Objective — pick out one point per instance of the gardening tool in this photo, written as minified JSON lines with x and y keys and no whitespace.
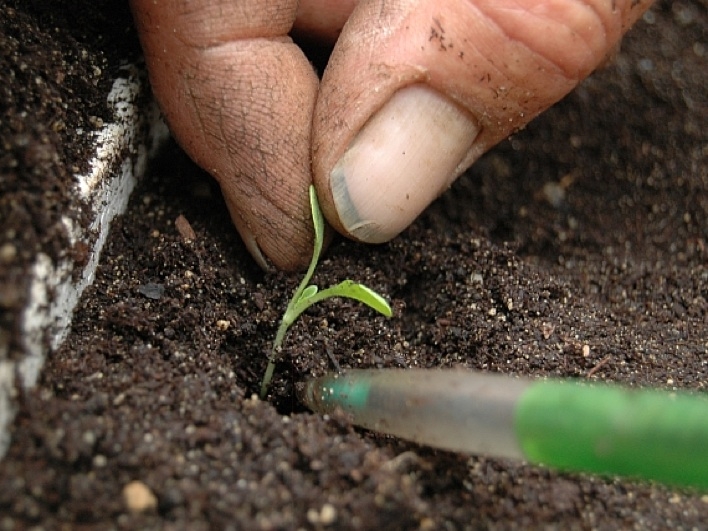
{"x":569,"y":425}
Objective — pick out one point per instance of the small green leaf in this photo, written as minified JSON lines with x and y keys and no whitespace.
{"x":308,"y":292}
{"x":319,"y":224}
{"x":361,"y":293}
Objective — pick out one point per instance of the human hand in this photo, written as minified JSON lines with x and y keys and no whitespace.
{"x":414,"y":93}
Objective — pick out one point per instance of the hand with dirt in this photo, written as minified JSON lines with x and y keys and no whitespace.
{"x":414,"y":92}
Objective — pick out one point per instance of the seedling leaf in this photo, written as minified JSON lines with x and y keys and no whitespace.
{"x":308,"y":293}
{"x":319,"y":224}
{"x":359,"y":292}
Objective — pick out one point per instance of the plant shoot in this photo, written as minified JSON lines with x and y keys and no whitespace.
{"x":308,"y":294}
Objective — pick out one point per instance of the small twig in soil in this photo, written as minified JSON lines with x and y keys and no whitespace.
{"x":599,"y":366}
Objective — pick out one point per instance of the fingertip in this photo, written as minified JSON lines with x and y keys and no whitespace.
{"x":275,"y":239}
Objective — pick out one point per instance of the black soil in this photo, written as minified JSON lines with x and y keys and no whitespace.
{"x":57,"y":65}
{"x":578,"y":248}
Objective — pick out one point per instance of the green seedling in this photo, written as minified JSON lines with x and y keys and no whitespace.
{"x":308,"y":294}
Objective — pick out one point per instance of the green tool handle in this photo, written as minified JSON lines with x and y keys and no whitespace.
{"x":604,"y":429}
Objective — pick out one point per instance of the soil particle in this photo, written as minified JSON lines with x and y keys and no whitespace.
{"x":577,"y":248}
{"x":138,"y":497}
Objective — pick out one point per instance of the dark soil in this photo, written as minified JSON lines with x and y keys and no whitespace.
{"x":578,"y":248}
{"x":57,"y":64}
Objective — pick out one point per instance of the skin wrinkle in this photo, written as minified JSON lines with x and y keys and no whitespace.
{"x":269,"y":180}
{"x":497,"y":14}
{"x":222,"y":128}
{"x":265,"y":21}
{"x":201,"y":105}
{"x":490,"y":61}
{"x":498,"y":77}
{"x":572,"y":77}
{"x":202,"y":127}
{"x":217,"y":132}
{"x":249,"y":115}
{"x":603,"y":23}
{"x":458,"y":100}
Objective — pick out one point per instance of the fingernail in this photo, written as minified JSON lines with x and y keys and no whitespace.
{"x":251,"y":244}
{"x":404,"y":157}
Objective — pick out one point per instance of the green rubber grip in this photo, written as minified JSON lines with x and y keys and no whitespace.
{"x":602,"y":429}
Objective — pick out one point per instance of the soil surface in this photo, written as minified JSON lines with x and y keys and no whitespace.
{"x":578,"y":248}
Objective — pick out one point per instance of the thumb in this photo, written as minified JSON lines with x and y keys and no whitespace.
{"x":416,"y":91}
